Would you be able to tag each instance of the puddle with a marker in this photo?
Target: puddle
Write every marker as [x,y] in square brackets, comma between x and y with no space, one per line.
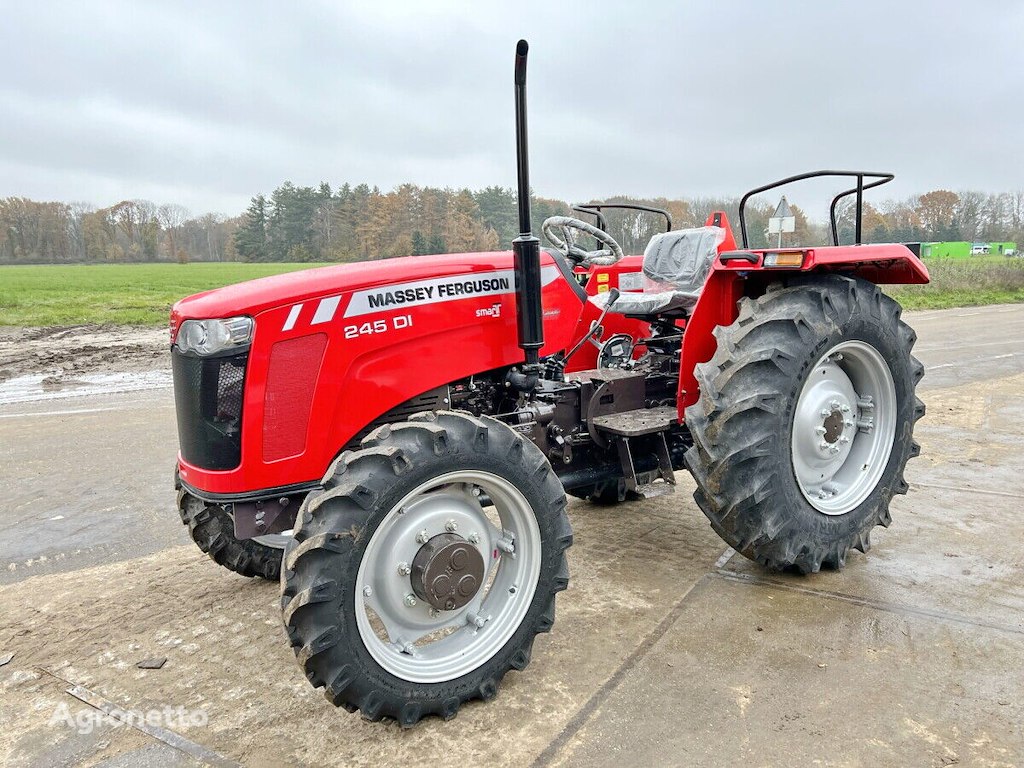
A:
[44,386]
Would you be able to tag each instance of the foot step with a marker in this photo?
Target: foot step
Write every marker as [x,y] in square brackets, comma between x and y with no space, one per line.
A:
[643,421]
[653,490]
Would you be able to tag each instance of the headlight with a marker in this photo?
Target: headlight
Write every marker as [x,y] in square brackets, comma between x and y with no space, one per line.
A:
[208,337]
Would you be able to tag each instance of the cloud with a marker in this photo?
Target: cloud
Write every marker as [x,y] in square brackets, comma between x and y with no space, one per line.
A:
[207,104]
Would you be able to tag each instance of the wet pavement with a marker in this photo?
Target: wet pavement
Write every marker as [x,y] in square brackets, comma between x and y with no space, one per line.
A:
[668,650]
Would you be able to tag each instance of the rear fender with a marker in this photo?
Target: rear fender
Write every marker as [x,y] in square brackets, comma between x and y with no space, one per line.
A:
[727,283]
[718,305]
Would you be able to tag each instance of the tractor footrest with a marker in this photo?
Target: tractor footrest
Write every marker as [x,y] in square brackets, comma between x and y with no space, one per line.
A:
[643,421]
[653,490]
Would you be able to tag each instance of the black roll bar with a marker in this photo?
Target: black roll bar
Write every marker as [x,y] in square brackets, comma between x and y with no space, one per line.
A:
[595,210]
[602,222]
[881,178]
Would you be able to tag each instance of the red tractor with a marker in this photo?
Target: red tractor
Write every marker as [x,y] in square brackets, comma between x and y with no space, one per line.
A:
[395,440]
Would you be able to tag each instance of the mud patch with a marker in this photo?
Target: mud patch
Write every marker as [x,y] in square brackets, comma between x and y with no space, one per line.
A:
[70,357]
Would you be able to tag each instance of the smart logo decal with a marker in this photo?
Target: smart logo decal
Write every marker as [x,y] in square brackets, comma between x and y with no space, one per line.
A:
[492,311]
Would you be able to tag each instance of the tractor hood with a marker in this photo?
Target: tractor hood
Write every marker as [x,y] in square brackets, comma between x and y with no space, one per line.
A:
[256,296]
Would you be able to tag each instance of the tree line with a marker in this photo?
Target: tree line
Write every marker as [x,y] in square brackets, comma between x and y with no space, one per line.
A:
[355,223]
[33,232]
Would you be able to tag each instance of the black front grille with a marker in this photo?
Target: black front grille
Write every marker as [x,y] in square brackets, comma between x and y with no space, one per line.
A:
[208,395]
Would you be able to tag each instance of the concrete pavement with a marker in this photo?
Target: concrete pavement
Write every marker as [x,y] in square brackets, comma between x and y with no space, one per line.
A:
[667,650]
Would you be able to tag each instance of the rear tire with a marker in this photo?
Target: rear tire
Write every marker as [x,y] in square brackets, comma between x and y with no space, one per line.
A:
[812,380]
[363,628]
[213,531]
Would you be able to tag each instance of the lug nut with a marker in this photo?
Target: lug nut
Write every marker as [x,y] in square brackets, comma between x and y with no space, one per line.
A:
[423,537]
[367,591]
[451,526]
[410,600]
[505,545]
[473,538]
[845,408]
[404,569]
[825,413]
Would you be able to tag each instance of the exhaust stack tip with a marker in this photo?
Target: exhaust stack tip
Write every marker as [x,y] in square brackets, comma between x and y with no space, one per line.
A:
[522,48]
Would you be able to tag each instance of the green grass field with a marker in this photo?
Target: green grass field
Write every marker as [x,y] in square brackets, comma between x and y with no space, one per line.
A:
[142,294]
[965,282]
[126,294]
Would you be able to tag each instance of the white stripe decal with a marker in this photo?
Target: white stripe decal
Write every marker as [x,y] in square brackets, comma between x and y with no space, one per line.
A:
[436,290]
[293,316]
[325,310]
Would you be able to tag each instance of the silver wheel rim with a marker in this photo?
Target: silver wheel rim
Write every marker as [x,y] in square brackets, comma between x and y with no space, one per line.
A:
[844,427]
[404,634]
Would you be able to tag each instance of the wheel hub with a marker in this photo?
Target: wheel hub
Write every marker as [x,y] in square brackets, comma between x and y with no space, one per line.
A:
[447,572]
[833,425]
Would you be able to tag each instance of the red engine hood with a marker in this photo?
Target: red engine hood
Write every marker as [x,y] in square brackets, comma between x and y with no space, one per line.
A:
[255,296]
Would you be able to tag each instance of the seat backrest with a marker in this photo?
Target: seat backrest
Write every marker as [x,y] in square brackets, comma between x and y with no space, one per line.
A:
[681,258]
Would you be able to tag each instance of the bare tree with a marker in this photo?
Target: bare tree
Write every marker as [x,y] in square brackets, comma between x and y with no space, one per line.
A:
[76,234]
[171,216]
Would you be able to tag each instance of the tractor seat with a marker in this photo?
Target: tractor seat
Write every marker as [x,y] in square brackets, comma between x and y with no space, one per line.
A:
[675,266]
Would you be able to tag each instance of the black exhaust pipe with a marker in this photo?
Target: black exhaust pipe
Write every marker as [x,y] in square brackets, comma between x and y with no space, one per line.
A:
[526,247]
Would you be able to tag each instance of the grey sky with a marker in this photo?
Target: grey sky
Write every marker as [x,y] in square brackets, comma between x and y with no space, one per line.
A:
[207,104]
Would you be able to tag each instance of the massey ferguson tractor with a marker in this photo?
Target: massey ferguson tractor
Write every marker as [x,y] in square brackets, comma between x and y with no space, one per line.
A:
[394,440]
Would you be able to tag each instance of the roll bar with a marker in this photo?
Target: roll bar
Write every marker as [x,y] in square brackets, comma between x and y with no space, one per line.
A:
[880,179]
[595,209]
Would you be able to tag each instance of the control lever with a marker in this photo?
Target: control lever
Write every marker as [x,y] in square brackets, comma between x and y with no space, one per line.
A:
[595,328]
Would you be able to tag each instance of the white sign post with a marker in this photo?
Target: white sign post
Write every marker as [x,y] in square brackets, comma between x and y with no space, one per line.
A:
[782,220]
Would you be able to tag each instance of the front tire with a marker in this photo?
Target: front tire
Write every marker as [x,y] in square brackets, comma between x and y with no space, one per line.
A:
[805,422]
[360,591]
[213,531]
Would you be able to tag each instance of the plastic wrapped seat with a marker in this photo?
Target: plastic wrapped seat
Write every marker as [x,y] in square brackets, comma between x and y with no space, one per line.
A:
[675,266]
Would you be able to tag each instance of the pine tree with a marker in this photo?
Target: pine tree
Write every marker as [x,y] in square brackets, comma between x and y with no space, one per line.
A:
[251,235]
[436,244]
[419,243]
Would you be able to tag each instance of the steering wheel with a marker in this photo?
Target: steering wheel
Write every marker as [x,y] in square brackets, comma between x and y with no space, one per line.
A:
[566,244]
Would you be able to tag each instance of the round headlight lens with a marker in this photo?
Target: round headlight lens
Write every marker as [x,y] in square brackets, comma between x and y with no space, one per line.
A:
[208,337]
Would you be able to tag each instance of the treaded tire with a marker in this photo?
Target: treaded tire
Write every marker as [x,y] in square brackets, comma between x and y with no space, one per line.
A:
[742,425]
[213,531]
[319,582]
